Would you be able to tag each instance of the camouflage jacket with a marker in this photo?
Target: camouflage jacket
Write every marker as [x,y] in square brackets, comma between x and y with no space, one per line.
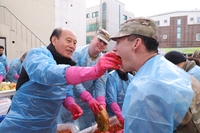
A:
[191,121]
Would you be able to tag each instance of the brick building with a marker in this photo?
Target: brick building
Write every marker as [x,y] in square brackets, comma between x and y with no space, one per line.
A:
[179,30]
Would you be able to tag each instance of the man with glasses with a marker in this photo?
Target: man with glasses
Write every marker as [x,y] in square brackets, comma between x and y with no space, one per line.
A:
[91,93]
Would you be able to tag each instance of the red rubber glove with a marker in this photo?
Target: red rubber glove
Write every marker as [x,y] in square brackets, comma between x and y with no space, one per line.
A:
[121,120]
[70,105]
[116,109]
[94,105]
[109,60]
[101,100]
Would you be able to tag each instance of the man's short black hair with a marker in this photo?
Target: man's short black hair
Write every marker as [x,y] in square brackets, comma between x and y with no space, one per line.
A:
[1,47]
[150,43]
[56,32]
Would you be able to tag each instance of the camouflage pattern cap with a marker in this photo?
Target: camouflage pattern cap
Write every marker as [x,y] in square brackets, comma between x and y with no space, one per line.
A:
[196,54]
[103,35]
[140,26]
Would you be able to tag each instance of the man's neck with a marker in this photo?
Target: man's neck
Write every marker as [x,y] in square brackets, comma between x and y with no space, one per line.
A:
[93,54]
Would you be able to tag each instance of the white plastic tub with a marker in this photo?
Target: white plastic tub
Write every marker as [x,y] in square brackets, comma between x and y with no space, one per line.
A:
[69,126]
[4,105]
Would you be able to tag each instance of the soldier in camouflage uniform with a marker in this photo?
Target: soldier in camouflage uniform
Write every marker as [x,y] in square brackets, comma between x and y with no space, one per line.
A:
[160,94]
[180,60]
[191,121]
[196,56]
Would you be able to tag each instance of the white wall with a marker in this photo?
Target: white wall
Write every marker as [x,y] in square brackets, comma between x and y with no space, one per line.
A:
[71,14]
[41,17]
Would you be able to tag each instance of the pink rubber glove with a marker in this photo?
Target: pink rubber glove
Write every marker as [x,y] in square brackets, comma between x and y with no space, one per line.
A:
[1,78]
[101,100]
[7,69]
[16,76]
[70,105]
[116,109]
[109,60]
[94,105]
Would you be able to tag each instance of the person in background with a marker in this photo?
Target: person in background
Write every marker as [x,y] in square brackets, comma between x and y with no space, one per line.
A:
[116,86]
[190,67]
[3,58]
[2,72]
[160,93]
[15,69]
[91,93]
[43,83]
[180,60]
[196,57]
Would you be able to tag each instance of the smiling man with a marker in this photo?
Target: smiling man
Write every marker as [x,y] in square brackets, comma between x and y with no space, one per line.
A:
[47,74]
[94,90]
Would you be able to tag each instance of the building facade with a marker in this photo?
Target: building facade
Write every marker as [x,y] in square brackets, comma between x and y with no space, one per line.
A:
[25,24]
[179,30]
[109,14]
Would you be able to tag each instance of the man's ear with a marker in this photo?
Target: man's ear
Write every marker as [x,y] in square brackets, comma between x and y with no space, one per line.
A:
[53,40]
[136,43]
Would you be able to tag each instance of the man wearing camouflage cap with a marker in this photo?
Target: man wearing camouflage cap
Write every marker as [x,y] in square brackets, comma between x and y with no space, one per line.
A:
[91,94]
[159,96]
[196,56]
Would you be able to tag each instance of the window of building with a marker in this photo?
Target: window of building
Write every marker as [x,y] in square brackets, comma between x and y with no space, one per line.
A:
[87,15]
[164,36]
[165,21]
[124,17]
[88,39]
[198,37]
[178,30]
[119,13]
[178,21]
[91,27]
[178,43]
[191,19]
[95,14]
[178,35]
[157,22]
[198,19]
[104,10]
